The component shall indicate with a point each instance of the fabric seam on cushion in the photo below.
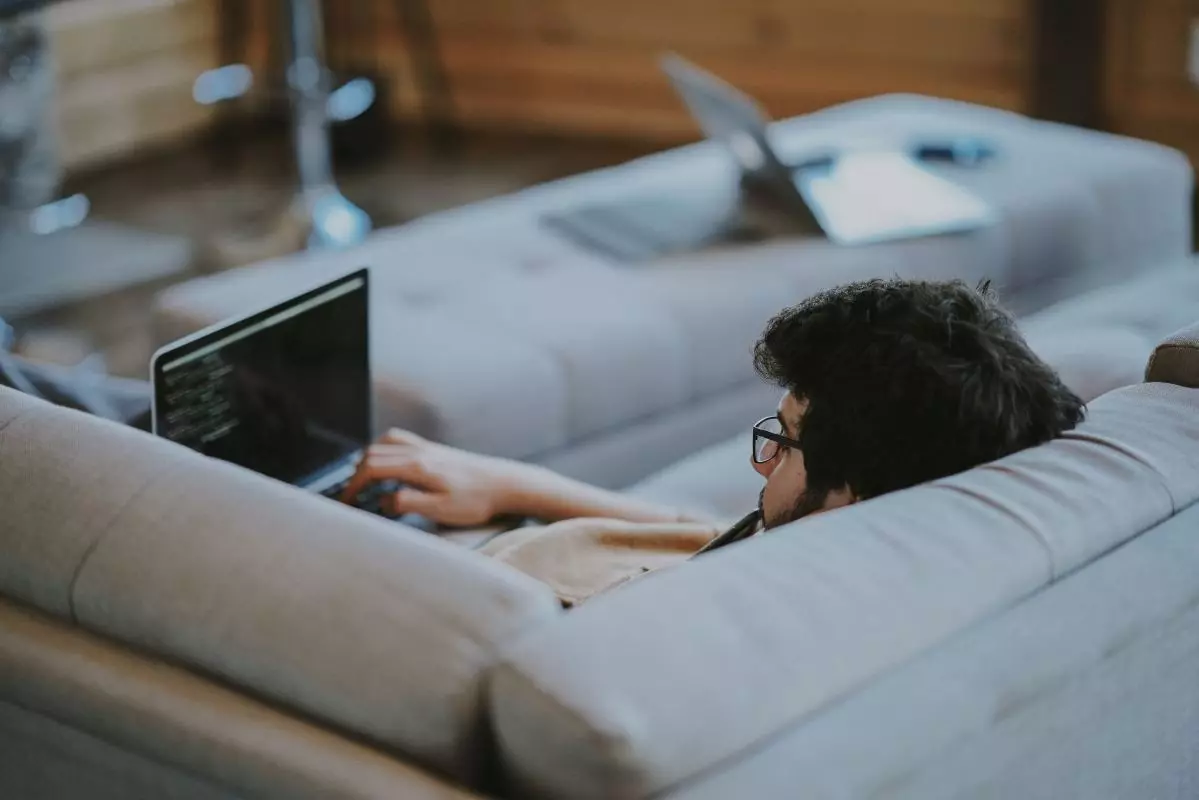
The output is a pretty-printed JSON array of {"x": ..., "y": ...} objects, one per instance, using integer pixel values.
[
  {"x": 11, "y": 420},
  {"x": 1098, "y": 439},
  {"x": 91, "y": 548},
  {"x": 1033, "y": 532}
]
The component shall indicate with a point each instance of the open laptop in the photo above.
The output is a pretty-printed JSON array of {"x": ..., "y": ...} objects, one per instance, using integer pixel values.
[
  {"x": 852, "y": 196},
  {"x": 285, "y": 391}
]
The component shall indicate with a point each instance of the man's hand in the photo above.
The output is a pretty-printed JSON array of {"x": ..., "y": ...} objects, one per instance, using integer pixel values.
[
  {"x": 449, "y": 486},
  {"x": 460, "y": 489}
]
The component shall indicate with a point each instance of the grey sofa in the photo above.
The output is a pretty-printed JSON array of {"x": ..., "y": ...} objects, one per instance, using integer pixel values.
[
  {"x": 173, "y": 627},
  {"x": 492, "y": 333}
]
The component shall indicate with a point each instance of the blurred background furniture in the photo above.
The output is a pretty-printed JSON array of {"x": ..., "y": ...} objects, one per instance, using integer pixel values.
[
  {"x": 174, "y": 626},
  {"x": 50, "y": 253},
  {"x": 535, "y": 89},
  {"x": 491, "y": 332},
  {"x": 326, "y": 216}
]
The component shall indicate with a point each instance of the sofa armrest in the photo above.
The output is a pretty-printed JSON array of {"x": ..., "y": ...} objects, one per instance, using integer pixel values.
[{"x": 1176, "y": 360}]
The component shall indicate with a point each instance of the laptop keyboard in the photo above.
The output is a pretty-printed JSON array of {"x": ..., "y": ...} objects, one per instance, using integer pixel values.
[
  {"x": 642, "y": 229},
  {"x": 372, "y": 499}
]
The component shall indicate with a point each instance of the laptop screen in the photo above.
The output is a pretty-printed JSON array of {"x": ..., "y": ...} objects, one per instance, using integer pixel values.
[{"x": 284, "y": 392}]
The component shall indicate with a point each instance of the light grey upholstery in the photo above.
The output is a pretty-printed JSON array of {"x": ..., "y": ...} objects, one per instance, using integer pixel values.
[
  {"x": 492, "y": 333},
  {"x": 1085, "y": 690},
  {"x": 753, "y": 639}
]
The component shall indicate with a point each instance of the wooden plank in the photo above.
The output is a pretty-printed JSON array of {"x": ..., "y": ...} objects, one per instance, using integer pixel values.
[
  {"x": 991, "y": 10},
  {"x": 140, "y": 121},
  {"x": 1163, "y": 39},
  {"x": 1175, "y": 102},
  {"x": 532, "y": 65},
  {"x": 121, "y": 39},
  {"x": 84, "y": 13},
  {"x": 882, "y": 39},
  {"x": 507, "y": 15},
  {"x": 169, "y": 72},
  {"x": 890, "y": 34},
  {"x": 580, "y": 63}
]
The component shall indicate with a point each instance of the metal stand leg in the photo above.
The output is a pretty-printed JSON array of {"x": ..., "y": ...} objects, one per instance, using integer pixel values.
[{"x": 336, "y": 222}]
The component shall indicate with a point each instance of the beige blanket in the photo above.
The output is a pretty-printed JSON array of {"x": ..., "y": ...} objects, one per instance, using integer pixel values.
[{"x": 580, "y": 558}]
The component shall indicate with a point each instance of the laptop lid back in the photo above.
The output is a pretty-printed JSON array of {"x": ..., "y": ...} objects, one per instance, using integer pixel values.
[
  {"x": 727, "y": 115},
  {"x": 285, "y": 392}
]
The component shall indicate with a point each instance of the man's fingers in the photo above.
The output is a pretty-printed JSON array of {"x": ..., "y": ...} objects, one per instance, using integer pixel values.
[
  {"x": 377, "y": 467},
  {"x": 362, "y": 477},
  {"x": 413, "y": 501}
]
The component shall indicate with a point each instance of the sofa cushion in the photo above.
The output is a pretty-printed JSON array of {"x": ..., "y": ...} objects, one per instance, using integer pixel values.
[
  {"x": 367, "y": 625},
  {"x": 64, "y": 479},
  {"x": 756, "y": 637},
  {"x": 1176, "y": 360}
]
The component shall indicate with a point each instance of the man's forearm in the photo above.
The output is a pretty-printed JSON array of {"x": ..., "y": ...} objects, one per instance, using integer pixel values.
[{"x": 539, "y": 493}]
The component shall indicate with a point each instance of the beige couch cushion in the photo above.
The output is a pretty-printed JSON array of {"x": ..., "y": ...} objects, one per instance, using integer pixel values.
[
  {"x": 362, "y": 623},
  {"x": 56, "y": 507},
  {"x": 609, "y": 701},
  {"x": 1176, "y": 360}
]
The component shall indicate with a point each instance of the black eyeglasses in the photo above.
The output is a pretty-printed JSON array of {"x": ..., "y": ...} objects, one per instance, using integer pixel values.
[{"x": 768, "y": 437}]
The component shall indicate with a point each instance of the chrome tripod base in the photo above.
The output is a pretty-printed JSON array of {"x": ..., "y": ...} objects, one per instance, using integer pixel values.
[{"x": 336, "y": 222}]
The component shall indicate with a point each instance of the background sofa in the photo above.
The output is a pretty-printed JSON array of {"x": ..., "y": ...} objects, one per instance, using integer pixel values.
[
  {"x": 176, "y": 627},
  {"x": 492, "y": 333}
]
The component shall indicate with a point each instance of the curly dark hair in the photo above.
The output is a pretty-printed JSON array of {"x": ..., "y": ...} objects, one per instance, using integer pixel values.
[{"x": 909, "y": 381}]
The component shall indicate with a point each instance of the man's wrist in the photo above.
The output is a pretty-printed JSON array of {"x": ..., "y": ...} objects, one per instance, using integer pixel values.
[{"x": 520, "y": 490}]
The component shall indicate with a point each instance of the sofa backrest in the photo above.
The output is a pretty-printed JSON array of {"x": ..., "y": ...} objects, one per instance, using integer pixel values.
[
  {"x": 1085, "y": 690},
  {"x": 359, "y": 623},
  {"x": 666, "y": 679}
]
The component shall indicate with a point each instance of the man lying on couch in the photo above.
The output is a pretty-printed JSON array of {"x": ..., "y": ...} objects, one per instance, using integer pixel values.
[{"x": 888, "y": 384}]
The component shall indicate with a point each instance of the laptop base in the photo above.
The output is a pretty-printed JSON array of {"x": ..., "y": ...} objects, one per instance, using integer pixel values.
[{"x": 645, "y": 228}]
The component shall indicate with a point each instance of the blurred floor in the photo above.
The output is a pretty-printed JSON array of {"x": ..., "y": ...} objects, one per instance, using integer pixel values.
[{"x": 229, "y": 204}]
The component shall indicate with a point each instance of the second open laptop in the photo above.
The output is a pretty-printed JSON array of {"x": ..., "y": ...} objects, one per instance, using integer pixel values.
[{"x": 852, "y": 197}]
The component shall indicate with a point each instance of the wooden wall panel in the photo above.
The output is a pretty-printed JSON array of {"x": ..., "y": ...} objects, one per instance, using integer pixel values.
[
  {"x": 125, "y": 73},
  {"x": 565, "y": 66},
  {"x": 1147, "y": 91},
  {"x": 590, "y": 66}
]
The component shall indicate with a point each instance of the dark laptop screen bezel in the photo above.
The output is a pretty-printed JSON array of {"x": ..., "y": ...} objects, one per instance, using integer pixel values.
[{"x": 209, "y": 336}]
